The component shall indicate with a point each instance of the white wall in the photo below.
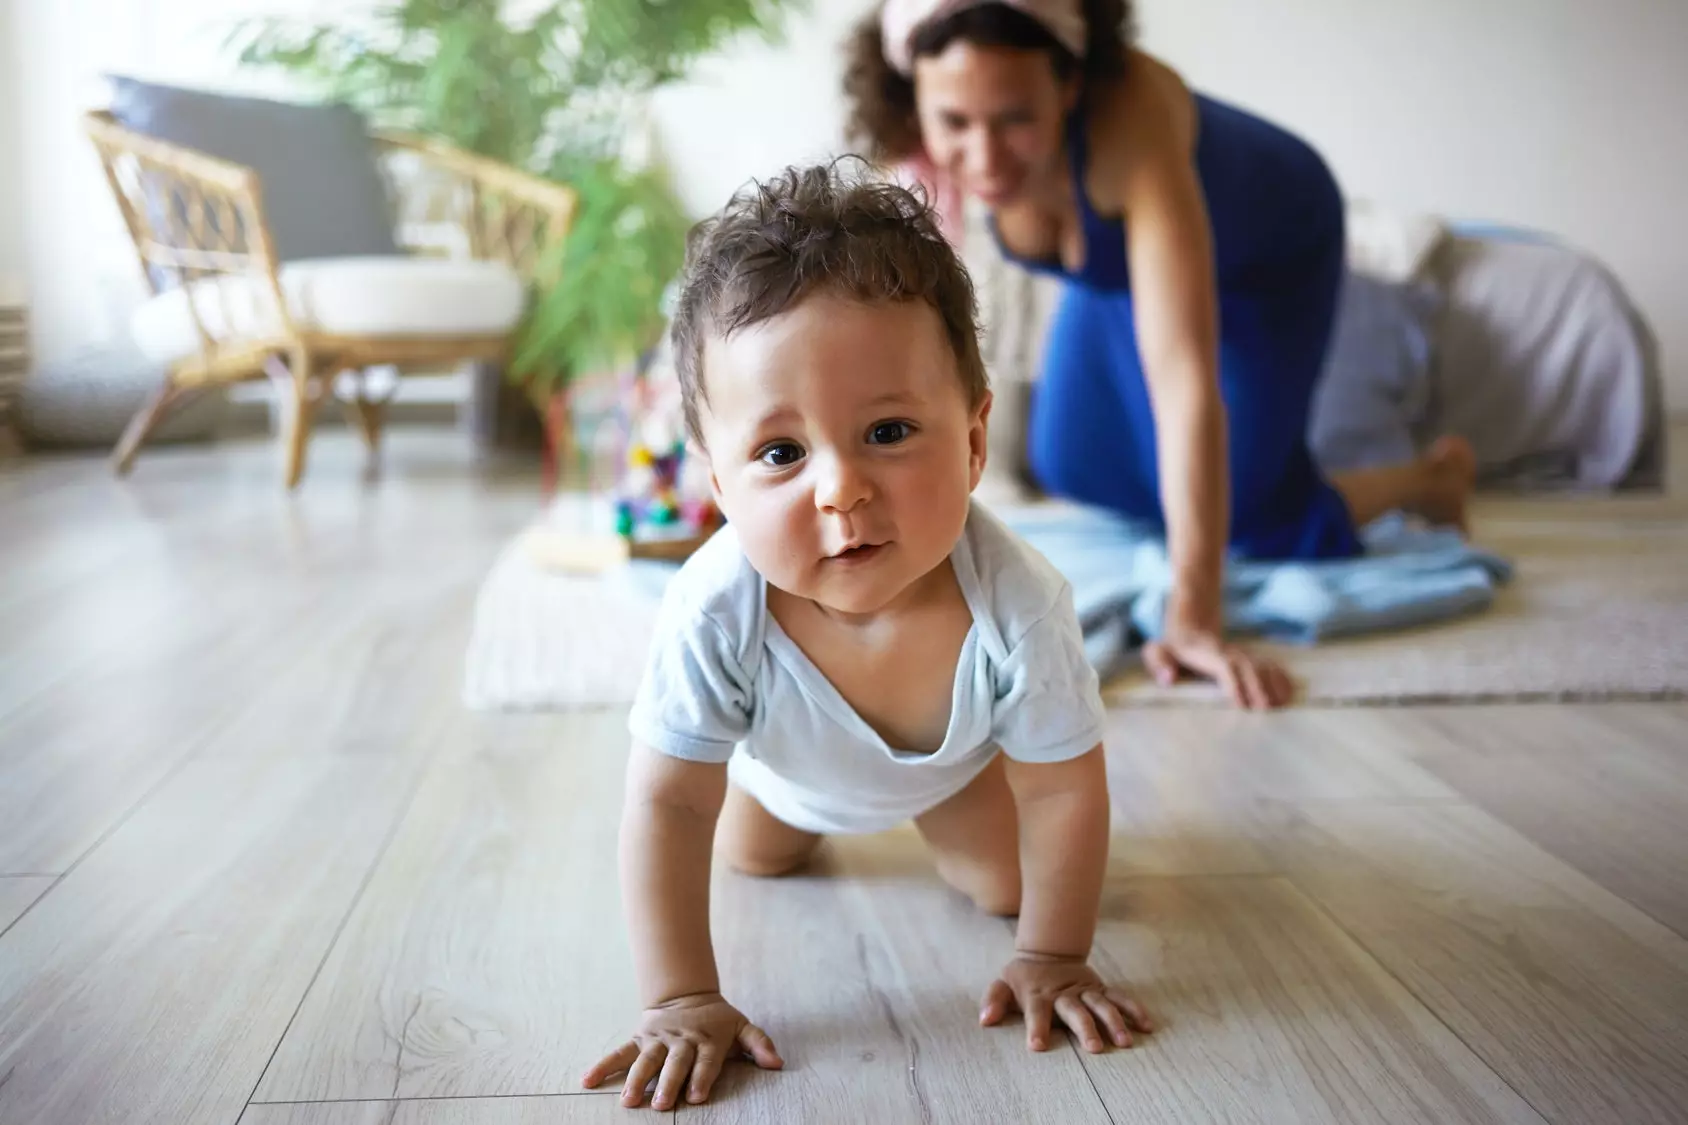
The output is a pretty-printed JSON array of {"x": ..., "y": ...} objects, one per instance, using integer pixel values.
[
  {"x": 11, "y": 164},
  {"x": 757, "y": 108},
  {"x": 1559, "y": 114}
]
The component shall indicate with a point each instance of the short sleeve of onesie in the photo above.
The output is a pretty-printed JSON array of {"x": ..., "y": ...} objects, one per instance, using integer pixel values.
[
  {"x": 696, "y": 700},
  {"x": 1048, "y": 699}
]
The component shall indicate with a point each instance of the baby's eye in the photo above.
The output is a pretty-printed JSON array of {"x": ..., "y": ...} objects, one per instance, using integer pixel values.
[
  {"x": 780, "y": 454},
  {"x": 889, "y": 433}
]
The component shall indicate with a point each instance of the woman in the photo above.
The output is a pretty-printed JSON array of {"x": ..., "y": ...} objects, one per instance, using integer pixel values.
[{"x": 1203, "y": 251}]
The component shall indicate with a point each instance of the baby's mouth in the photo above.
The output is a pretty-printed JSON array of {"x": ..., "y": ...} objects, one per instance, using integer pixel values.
[{"x": 861, "y": 552}]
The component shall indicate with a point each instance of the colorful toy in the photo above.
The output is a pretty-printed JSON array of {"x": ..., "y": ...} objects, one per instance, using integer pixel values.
[{"x": 663, "y": 505}]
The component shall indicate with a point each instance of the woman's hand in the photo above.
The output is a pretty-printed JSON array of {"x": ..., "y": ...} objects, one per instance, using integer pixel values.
[
  {"x": 683, "y": 1045},
  {"x": 1193, "y": 643},
  {"x": 1045, "y": 988}
]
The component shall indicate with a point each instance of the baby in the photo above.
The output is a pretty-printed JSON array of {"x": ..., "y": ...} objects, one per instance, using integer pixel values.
[{"x": 861, "y": 645}]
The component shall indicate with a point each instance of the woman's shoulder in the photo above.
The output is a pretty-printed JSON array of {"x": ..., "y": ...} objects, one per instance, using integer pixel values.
[
  {"x": 1148, "y": 113},
  {"x": 1137, "y": 126}
]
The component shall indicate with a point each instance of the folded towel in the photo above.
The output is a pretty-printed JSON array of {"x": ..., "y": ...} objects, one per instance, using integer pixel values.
[{"x": 1121, "y": 578}]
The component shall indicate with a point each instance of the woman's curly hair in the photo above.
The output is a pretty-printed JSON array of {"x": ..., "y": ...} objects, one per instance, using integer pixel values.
[{"x": 882, "y": 123}]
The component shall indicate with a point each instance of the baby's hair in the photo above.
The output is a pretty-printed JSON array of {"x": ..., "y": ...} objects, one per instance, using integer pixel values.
[
  {"x": 818, "y": 229},
  {"x": 881, "y": 101}
]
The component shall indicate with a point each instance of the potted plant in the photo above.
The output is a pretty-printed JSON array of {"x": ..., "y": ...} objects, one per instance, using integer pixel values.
[{"x": 556, "y": 91}]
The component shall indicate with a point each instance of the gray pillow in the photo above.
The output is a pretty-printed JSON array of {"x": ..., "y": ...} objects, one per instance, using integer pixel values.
[{"x": 322, "y": 189}]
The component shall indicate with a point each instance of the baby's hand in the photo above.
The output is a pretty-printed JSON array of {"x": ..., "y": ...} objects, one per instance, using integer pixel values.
[
  {"x": 686, "y": 1038},
  {"x": 1045, "y": 987}
]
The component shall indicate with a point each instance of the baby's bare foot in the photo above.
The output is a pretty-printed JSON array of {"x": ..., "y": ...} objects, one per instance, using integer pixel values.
[{"x": 1450, "y": 477}]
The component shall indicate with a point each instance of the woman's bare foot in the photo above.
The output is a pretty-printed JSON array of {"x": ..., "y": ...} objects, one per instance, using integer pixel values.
[
  {"x": 1449, "y": 469},
  {"x": 1436, "y": 486}
]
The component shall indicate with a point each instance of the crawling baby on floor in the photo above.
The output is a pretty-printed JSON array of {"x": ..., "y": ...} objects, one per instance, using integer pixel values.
[{"x": 862, "y": 644}]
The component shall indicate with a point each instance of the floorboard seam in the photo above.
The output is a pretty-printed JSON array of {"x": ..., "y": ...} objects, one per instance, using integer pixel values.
[
  {"x": 1331, "y": 917},
  {"x": 399, "y": 818}
]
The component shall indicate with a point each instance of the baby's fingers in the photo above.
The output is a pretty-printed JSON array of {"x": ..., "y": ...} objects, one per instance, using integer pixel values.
[
  {"x": 759, "y": 1047},
  {"x": 1160, "y": 663},
  {"x": 1039, "y": 1016},
  {"x": 999, "y": 1001},
  {"x": 1135, "y": 1014},
  {"x": 705, "y": 1071},
  {"x": 645, "y": 1069},
  {"x": 674, "y": 1074},
  {"x": 1077, "y": 1017},
  {"x": 1109, "y": 1017},
  {"x": 615, "y": 1062}
]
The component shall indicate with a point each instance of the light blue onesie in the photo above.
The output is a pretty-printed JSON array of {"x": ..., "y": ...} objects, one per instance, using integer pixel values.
[{"x": 725, "y": 684}]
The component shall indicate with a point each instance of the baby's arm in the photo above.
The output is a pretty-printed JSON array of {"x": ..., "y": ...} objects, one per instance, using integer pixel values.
[
  {"x": 688, "y": 1030},
  {"x": 1063, "y": 813},
  {"x": 667, "y": 835},
  {"x": 1063, "y": 810}
]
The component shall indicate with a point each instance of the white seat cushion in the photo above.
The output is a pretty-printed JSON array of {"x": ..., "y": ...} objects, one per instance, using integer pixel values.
[{"x": 365, "y": 297}]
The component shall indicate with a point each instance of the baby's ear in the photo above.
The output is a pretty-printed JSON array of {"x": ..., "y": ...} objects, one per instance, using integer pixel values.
[{"x": 978, "y": 438}]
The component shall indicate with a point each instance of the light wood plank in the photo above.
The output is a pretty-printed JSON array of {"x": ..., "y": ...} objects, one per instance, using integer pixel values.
[
  {"x": 1569, "y": 993},
  {"x": 1603, "y": 788},
  {"x": 78, "y": 756},
  {"x": 1184, "y": 784},
  {"x": 78, "y": 759},
  {"x": 589, "y": 1109},
  {"x": 1271, "y": 1014},
  {"x": 18, "y": 893},
  {"x": 1232, "y": 759},
  {"x": 868, "y": 973},
  {"x": 1155, "y": 833},
  {"x": 133, "y": 616},
  {"x": 485, "y": 957},
  {"x": 155, "y": 981}
]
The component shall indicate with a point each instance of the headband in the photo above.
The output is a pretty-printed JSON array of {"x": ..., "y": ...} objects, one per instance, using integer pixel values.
[{"x": 901, "y": 20}]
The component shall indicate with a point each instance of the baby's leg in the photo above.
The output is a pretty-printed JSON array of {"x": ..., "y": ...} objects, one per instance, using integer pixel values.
[
  {"x": 975, "y": 838},
  {"x": 752, "y": 840}
]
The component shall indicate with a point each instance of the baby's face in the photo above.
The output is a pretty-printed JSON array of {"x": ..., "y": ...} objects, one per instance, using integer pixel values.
[{"x": 842, "y": 447}]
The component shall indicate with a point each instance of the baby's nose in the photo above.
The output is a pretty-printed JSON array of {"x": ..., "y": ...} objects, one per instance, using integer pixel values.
[{"x": 842, "y": 486}]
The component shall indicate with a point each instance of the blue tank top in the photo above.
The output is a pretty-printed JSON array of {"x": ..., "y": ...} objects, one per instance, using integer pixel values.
[
  {"x": 1272, "y": 204},
  {"x": 1105, "y": 265}
]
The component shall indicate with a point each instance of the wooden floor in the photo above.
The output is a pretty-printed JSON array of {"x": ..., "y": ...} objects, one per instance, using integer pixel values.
[{"x": 258, "y": 866}]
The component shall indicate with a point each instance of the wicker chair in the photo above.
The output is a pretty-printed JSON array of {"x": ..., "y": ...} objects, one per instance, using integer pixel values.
[{"x": 208, "y": 256}]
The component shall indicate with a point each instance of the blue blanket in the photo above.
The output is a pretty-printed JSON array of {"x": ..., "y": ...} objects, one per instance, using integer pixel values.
[{"x": 1121, "y": 577}]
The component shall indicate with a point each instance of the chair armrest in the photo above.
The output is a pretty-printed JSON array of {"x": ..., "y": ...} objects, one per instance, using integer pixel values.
[
  {"x": 188, "y": 213},
  {"x": 509, "y": 215},
  {"x": 191, "y": 216}
]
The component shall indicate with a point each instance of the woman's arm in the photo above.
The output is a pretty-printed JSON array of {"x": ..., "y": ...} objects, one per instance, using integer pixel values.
[
  {"x": 1177, "y": 319},
  {"x": 1174, "y": 293}
]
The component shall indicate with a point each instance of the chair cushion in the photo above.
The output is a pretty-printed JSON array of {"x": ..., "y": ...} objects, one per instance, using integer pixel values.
[
  {"x": 378, "y": 297},
  {"x": 322, "y": 188}
]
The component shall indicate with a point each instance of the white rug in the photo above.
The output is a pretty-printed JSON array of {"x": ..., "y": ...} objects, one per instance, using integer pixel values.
[{"x": 1598, "y": 610}]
